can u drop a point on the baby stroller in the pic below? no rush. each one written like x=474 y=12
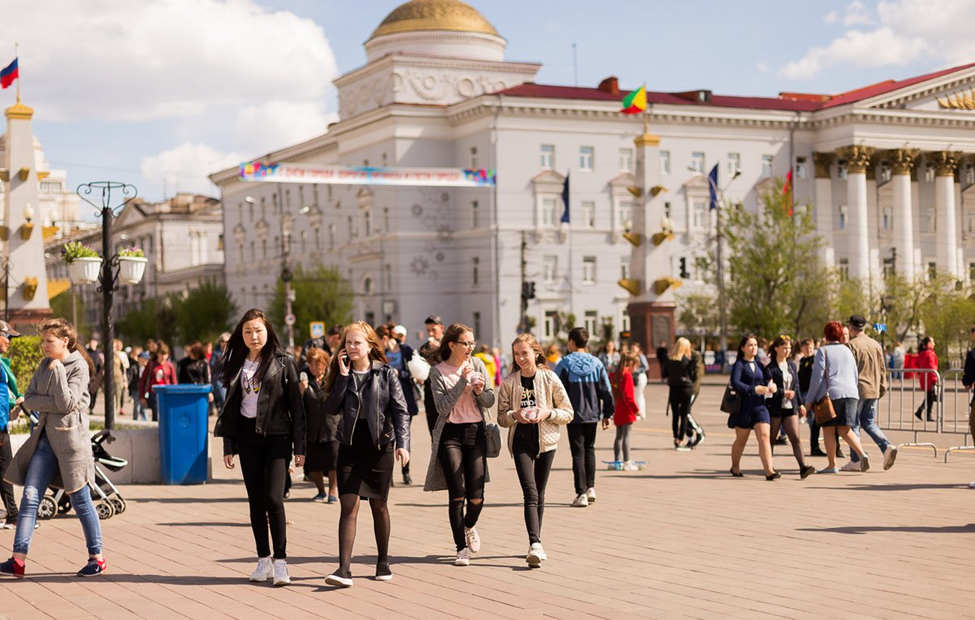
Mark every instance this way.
x=108 y=500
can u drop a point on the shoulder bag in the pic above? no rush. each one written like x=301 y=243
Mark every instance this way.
x=492 y=437
x=730 y=402
x=823 y=408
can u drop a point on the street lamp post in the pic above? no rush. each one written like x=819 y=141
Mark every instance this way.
x=719 y=255
x=287 y=276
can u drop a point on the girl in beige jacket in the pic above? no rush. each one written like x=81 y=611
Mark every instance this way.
x=533 y=405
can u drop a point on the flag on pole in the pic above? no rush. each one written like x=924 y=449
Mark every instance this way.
x=635 y=102
x=713 y=187
x=565 y=199
x=9 y=74
x=787 y=191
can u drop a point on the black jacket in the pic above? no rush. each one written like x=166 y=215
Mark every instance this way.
x=280 y=410
x=774 y=403
x=969 y=377
x=195 y=372
x=321 y=427
x=679 y=373
x=406 y=379
x=383 y=406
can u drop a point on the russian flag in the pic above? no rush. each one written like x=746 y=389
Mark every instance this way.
x=9 y=74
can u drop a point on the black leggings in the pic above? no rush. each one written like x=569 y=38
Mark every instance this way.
x=533 y=474
x=264 y=464
x=930 y=399
x=680 y=403
x=582 y=444
x=464 y=465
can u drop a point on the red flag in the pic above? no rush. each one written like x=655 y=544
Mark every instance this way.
x=787 y=190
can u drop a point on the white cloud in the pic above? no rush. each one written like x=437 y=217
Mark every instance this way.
x=831 y=18
x=906 y=31
x=762 y=67
x=186 y=167
x=275 y=124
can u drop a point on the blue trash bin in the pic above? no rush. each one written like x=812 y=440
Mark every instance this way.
x=183 y=433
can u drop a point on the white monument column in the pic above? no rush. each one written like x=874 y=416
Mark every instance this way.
x=945 y=163
x=824 y=204
x=903 y=163
x=857 y=159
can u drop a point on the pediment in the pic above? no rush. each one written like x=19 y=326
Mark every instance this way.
x=954 y=92
x=548 y=177
x=625 y=179
x=129 y=215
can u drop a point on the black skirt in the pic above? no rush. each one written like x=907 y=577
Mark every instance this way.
x=322 y=456
x=362 y=469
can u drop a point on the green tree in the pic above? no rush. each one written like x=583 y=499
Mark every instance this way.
x=25 y=354
x=946 y=315
x=321 y=294
x=155 y=318
x=905 y=301
x=699 y=314
x=61 y=307
x=204 y=312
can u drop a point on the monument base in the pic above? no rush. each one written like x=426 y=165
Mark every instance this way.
x=25 y=321
x=652 y=323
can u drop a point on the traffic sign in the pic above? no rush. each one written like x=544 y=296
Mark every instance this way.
x=880 y=327
x=289 y=320
x=317 y=329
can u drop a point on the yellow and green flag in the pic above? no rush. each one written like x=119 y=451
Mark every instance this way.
x=635 y=102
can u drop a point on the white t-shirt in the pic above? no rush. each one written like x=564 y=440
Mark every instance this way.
x=250 y=389
x=786 y=384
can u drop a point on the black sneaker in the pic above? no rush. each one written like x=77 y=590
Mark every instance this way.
x=14 y=568
x=407 y=479
x=816 y=452
x=340 y=578
x=383 y=573
x=839 y=453
x=93 y=567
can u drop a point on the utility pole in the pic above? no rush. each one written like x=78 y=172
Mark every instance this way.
x=6 y=289
x=722 y=312
x=286 y=276
x=524 y=283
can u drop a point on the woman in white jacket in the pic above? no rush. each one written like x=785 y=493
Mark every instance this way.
x=533 y=405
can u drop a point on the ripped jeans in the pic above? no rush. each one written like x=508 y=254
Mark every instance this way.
x=43 y=465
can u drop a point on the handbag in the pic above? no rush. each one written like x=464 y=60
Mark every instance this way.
x=492 y=437
x=823 y=408
x=730 y=402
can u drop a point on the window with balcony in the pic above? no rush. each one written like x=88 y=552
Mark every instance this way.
x=588 y=269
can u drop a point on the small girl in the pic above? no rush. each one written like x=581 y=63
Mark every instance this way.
x=627 y=409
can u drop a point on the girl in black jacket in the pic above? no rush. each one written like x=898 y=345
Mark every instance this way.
x=322 y=444
x=262 y=419
x=680 y=370
x=785 y=405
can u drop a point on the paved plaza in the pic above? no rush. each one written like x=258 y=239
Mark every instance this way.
x=681 y=539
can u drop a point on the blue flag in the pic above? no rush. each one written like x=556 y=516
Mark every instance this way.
x=565 y=199
x=713 y=187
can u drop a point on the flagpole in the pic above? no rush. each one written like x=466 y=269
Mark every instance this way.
x=17 y=59
x=646 y=112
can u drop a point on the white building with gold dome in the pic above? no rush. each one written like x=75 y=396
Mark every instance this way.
x=888 y=169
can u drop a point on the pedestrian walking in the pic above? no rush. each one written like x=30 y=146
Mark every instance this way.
x=785 y=406
x=137 y=362
x=835 y=375
x=216 y=371
x=159 y=371
x=98 y=374
x=398 y=355
x=640 y=378
x=662 y=353
x=458 y=458
x=120 y=366
x=871 y=386
x=927 y=362
x=609 y=356
x=696 y=434
x=322 y=430
x=968 y=381
x=366 y=393
x=680 y=371
x=533 y=405
x=752 y=382
x=262 y=421
x=807 y=348
x=586 y=381
x=194 y=369
x=625 y=410
x=434 y=326
x=8 y=384
x=58 y=452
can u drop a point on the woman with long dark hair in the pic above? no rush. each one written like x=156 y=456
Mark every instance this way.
x=785 y=406
x=322 y=438
x=362 y=389
x=262 y=420
x=458 y=460
x=752 y=382
x=59 y=449
x=160 y=371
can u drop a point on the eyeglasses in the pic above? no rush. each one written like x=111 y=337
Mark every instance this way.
x=469 y=345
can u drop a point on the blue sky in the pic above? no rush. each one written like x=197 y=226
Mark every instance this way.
x=157 y=94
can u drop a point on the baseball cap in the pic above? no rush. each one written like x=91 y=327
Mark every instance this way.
x=433 y=319
x=400 y=330
x=10 y=331
x=857 y=322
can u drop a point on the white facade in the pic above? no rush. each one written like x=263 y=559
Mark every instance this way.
x=58 y=203
x=426 y=102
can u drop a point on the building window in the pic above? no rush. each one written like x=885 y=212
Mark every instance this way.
x=550 y=268
x=697 y=161
x=734 y=163
x=253 y=253
x=386 y=220
x=699 y=215
x=587 y=155
x=591 y=322
x=626 y=160
x=240 y=251
x=367 y=286
x=888 y=267
x=477 y=323
x=887 y=219
x=331 y=236
x=589 y=214
x=385 y=160
x=318 y=238
x=302 y=241
x=930 y=223
x=932 y=270
x=971 y=272
x=842 y=170
x=389 y=277
x=475 y=215
x=667 y=210
x=473 y=158
x=548 y=211
x=841 y=221
x=551 y=324
x=625 y=322
x=767 y=165
x=929 y=172
x=548 y=156
x=367 y=222
x=802 y=168
x=625 y=268
x=626 y=215
x=588 y=269
x=475 y=271
x=664 y=162
x=970 y=221
x=351 y=232
x=844 y=269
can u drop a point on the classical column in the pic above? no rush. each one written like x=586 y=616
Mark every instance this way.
x=824 y=204
x=903 y=162
x=945 y=164
x=857 y=159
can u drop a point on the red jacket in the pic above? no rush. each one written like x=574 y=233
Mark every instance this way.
x=927 y=359
x=156 y=374
x=626 y=407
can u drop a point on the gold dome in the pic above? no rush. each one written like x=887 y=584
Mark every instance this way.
x=451 y=15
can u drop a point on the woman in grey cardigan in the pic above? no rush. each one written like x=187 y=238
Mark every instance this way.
x=58 y=452
x=457 y=457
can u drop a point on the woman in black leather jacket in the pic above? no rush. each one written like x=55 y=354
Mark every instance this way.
x=785 y=406
x=262 y=420
x=366 y=392
x=680 y=371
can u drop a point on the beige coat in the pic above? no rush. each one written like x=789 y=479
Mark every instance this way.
x=60 y=397
x=871 y=366
x=549 y=394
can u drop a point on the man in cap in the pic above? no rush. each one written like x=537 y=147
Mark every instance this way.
x=434 y=325
x=872 y=385
x=12 y=398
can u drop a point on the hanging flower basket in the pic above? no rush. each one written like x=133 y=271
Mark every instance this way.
x=131 y=269
x=84 y=270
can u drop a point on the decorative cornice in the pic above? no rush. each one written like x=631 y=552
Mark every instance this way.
x=647 y=139
x=902 y=160
x=946 y=162
x=824 y=164
x=958 y=101
x=857 y=157
x=19 y=111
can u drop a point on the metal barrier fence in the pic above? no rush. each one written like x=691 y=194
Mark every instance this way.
x=955 y=409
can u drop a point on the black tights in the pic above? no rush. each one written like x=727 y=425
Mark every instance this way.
x=347 y=523
x=264 y=465
x=464 y=464
x=680 y=402
x=533 y=474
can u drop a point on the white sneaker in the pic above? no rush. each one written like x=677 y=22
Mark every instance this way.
x=463 y=557
x=281 y=576
x=581 y=501
x=472 y=539
x=264 y=570
x=535 y=555
x=864 y=463
x=630 y=466
x=828 y=470
x=851 y=466
x=890 y=454
x=591 y=495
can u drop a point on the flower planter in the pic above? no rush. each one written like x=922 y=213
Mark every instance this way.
x=84 y=270
x=131 y=269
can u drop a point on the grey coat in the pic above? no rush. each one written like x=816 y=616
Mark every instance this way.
x=60 y=397
x=446 y=400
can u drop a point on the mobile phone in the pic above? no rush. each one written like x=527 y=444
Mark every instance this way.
x=303 y=377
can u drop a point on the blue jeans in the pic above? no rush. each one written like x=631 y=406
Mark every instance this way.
x=43 y=465
x=138 y=411
x=866 y=418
